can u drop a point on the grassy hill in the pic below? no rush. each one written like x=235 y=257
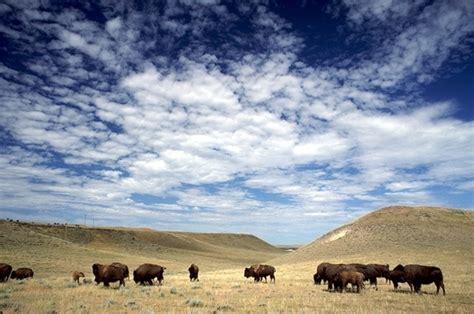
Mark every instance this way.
x=397 y=233
x=55 y=247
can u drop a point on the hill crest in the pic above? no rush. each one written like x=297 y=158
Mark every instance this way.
x=393 y=231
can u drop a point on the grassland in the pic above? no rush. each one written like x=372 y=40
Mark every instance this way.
x=45 y=249
x=222 y=287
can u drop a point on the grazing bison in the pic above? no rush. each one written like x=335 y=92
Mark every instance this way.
x=5 y=271
x=320 y=274
x=147 y=272
x=355 y=278
x=369 y=271
x=417 y=275
x=108 y=274
x=397 y=275
x=22 y=273
x=124 y=267
x=193 y=272
x=331 y=272
x=260 y=271
x=76 y=275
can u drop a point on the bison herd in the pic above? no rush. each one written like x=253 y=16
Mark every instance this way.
x=338 y=276
x=20 y=273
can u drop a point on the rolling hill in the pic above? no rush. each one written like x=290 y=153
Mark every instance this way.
x=45 y=247
x=397 y=233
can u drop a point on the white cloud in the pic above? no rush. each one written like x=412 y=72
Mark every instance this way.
x=232 y=137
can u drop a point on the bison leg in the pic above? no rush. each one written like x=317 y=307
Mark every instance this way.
x=417 y=287
x=150 y=282
x=122 y=282
x=272 y=277
x=343 y=286
x=332 y=285
x=395 y=285
x=374 y=282
x=440 y=285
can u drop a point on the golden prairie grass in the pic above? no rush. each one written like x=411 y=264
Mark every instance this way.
x=229 y=291
x=425 y=236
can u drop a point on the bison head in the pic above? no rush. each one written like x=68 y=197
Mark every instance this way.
x=135 y=278
x=317 y=279
x=13 y=275
x=249 y=272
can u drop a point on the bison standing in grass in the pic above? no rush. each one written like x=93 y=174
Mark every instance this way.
x=22 y=273
x=109 y=273
x=124 y=267
x=355 y=278
x=258 y=272
x=76 y=275
x=417 y=275
x=397 y=275
x=5 y=271
x=381 y=271
x=331 y=272
x=145 y=273
x=193 y=272
x=320 y=274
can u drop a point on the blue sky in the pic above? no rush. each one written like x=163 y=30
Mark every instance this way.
x=280 y=119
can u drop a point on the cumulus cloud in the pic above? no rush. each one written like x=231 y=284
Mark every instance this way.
x=169 y=114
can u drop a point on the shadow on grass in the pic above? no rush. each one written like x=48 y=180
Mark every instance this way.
x=414 y=293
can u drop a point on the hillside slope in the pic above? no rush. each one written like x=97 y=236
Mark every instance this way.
x=47 y=247
x=395 y=233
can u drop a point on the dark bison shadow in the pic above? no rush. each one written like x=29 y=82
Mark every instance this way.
x=347 y=291
x=405 y=291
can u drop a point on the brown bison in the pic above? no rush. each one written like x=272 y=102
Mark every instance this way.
x=22 y=273
x=260 y=271
x=417 y=275
x=108 y=274
x=397 y=275
x=147 y=272
x=320 y=274
x=76 y=275
x=369 y=271
x=331 y=272
x=355 y=278
x=381 y=271
x=124 y=267
x=5 y=271
x=193 y=272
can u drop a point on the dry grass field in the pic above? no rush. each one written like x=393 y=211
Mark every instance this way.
x=222 y=287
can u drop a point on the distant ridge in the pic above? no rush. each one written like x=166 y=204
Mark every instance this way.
x=392 y=232
x=47 y=245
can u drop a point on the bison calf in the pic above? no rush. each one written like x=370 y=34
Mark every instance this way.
x=355 y=278
x=76 y=275
x=22 y=273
